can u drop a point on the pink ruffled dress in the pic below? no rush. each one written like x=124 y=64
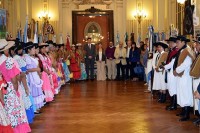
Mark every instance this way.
x=47 y=87
x=13 y=108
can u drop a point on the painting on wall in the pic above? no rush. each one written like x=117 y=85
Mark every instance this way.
x=2 y=23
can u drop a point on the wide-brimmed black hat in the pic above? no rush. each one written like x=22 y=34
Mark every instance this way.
x=171 y=39
x=182 y=38
x=18 y=47
x=28 y=45
x=54 y=44
x=49 y=42
x=161 y=43
x=60 y=45
x=36 y=45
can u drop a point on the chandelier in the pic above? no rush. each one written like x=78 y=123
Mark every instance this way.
x=139 y=15
x=95 y=37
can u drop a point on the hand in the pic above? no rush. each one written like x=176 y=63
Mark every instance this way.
x=175 y=73
x=110 y=58
x=138 y=62
x=27 y=92
x=130 y=63
x=156 y=69
x=90 y=57
x=196 y=95
x=161 y=67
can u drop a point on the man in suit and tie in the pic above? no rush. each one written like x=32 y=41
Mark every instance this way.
x=90 y=54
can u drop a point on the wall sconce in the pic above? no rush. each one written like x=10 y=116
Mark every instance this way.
x=44 y=16
x=139 y=15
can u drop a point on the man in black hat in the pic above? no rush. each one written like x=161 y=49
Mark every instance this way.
x=90 y=54
x=195 y=73
x=181 y=70
x=159 y=75
x=171 y=79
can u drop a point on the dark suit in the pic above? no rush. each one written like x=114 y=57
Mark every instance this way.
x=89 y=63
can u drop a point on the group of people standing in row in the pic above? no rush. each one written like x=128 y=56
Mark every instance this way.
x=31 y=75
x=115 y=63
x=178 y=71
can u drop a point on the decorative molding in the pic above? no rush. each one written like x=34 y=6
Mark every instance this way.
x=119 y=3
x=92 y=10
x=91 y=2
x=65 y=3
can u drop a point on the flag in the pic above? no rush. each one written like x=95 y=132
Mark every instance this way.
x=35 y=34
x=151 y=33
x=68 y=42
x=126 y=37
x=19 y=35
x=117 y=37
x=54 y=39
x=61 y=39
x=25 y=31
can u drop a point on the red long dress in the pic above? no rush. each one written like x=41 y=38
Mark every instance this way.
x=74 y=65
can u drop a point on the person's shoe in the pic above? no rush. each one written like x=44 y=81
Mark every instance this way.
x=145 y=84
x=181 y=113
x=186 y=115
x=174 y=103
x=163 y=100
x=196 y=121
x=160 y=97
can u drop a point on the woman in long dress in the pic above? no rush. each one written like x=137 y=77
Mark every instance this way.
x=5 y=126
x=82 y=62
x=75 y=63
x=34 y=80
x=47 y=86
x=101 y=61
x=13 y=107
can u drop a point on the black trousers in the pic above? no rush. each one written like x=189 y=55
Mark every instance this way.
x=128 y=69
x=133 y=74
x=120 y=67
x=89 y=64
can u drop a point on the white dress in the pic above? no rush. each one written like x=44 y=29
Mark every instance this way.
x=184 y=84
x=171 y=79
x=159 y=77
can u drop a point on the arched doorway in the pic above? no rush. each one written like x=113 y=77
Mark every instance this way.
x=94 y=23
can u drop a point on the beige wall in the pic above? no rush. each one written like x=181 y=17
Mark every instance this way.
x=160 y=13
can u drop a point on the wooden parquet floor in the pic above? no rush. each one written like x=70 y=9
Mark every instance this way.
x=108 y=107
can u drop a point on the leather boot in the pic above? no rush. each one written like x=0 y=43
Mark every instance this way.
x=174 y=103
x=163 y=100
x=168 y=106
x=181 y=113
x=160 y=97
x=186 y=115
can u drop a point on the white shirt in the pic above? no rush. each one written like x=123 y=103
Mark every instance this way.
x=128 y=51
x=100 y=55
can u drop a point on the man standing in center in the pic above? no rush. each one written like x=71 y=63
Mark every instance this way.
x=120 y=60
x=90 y=54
